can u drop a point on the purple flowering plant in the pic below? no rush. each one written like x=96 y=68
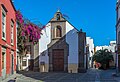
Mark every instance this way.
x=27 y=32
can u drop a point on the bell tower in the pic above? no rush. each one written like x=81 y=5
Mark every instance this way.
x=58 y=26
x=58 y=48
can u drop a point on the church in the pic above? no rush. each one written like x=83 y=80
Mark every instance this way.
x=62 y=47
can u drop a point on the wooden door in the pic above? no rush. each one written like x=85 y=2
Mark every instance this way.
x=12 y=64
x=58 y=60
x=31 y=64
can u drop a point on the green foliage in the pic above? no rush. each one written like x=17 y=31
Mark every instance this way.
x=103 y=56
x=20 y=41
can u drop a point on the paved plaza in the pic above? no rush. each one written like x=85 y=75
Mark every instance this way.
x=93 y=75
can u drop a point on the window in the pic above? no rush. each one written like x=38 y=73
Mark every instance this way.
x=58 y=17
x=3 y=57
x=28 y=49
x=58 y=31
x=3 y=61
x=24 y=63
x=12 y=31
x=3 y=24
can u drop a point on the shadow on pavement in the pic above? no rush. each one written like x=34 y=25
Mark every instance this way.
x=12 y=81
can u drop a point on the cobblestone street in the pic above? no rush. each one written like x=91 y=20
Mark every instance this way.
x=93 y=75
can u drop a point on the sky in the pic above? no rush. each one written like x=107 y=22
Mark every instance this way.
x=95 y=17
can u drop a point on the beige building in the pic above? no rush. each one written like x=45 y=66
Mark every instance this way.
x=29 y=61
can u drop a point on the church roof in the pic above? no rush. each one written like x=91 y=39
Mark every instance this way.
x=62 y=19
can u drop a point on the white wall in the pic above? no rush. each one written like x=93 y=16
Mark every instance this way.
x=43 y=42
x=72 y=40
x=89 y=41
x=26 y=58
x=98 y=48
x=109 y=47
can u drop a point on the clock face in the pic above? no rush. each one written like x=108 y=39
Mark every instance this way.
x=58 y=16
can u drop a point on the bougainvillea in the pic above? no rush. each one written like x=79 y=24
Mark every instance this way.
x=19 y=17
x=27 y=32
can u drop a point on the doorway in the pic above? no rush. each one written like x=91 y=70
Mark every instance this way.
x=58 y=60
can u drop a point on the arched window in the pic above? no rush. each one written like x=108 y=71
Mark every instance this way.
x=58 y=17
x=58 y=31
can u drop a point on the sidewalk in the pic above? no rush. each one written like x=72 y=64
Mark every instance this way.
x=110 y=73
x=117 y=78
x=21 y=77
x=12 y=78
x=40 y=77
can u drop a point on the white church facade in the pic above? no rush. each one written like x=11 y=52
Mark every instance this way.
x=62 y=47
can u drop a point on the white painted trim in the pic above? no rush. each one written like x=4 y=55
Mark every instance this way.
x=12 y=30
x=4 y=70
x=3 y=12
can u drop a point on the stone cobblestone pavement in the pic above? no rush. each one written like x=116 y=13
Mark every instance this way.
x=92 y=75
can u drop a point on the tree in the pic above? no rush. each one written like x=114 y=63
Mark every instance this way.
x=26 y=32
x=103 y=57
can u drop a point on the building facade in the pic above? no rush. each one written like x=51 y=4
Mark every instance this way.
x=90 y=44
x=112 y=48
x=30 y=61
x=61 y=47
x=7 y=39
x=118 y=34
